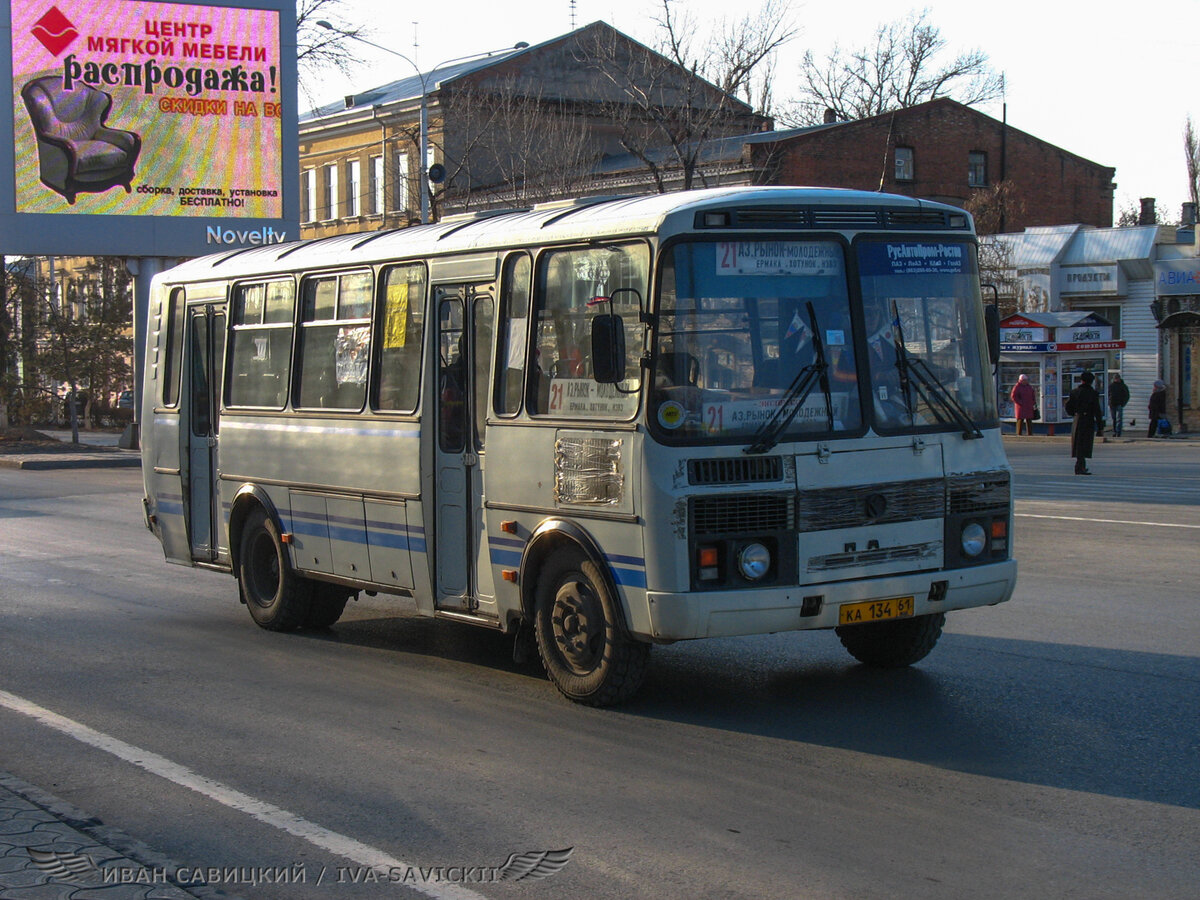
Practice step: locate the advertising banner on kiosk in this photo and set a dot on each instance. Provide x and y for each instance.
(150, 129)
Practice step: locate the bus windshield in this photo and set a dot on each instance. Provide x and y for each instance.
(755, 335)
(926, 347)
(737, 322)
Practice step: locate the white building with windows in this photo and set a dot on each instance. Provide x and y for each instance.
(1124, 277)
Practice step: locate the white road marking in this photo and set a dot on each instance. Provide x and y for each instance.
(1103, 521)
(267, 813)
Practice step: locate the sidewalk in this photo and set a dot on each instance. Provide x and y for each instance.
(52, 449)
(51, 851)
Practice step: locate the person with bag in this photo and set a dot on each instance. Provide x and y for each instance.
(1024, 404)
(1083, 405)
(1158, 408)
(1118, 396)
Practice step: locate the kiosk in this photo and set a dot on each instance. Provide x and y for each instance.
(1053, 349)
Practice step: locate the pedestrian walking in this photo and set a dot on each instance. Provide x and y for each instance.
(1158, 407)
(1024, 400)
(1083, 405)
(1118, 396)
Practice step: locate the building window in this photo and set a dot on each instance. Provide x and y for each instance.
(308, 188)
(1112, 314)
(904, 164)
(401, 182)
(329, 202)
(977, 169)
(375, 188)
(353, 186)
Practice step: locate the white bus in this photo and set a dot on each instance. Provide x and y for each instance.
(595, 425)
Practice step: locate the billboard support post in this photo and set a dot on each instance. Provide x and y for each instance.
(143, 269)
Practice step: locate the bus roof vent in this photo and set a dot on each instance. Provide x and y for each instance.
(773, 217)
(850, 217)
(916, 218)
(748, 470)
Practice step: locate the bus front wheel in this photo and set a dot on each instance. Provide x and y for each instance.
(278, 598)
(892, 645)
(586, 654)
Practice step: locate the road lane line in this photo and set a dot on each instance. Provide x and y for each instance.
(267, 813)
(1103, 521)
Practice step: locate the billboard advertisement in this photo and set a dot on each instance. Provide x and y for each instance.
(174, 121)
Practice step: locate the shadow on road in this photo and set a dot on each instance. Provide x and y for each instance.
(1109, 722)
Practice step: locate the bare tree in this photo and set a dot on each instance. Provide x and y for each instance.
(664, 109)
(321, 50)
(995, 206)
(738, 56)
(1191, 152)
(514, 146)
(905, 65)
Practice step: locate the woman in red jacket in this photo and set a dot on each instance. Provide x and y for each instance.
(1024, 401)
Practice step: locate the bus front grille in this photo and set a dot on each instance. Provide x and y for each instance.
(741, 514)
(740, 470)
(870, 504)
(981, 492)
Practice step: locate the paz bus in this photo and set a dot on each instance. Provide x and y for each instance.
(594, 425)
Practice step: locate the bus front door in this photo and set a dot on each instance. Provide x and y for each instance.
(464, 572)
(206, 349)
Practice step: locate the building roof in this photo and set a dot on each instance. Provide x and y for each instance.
(1037, 248)
(1065, 319)
(1104, 245)
(410, 88)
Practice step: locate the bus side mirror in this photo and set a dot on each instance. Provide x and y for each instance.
(608, 348)
(991, 318)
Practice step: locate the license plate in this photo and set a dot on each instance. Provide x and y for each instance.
(875, 610)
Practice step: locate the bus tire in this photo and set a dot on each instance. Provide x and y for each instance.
(579, 635)
(278, 598)
(327, 605)
(892, 645)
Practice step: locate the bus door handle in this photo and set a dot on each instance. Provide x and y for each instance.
(470, 459)
(212, 441)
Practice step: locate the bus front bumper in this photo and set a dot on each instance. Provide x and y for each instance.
(677, 617)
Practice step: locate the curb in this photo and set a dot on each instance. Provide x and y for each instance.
(71, 460)
(36, 821)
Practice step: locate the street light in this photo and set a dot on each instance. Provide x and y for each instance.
(423, 77)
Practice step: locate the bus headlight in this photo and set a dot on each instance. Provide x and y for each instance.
(974, 539)
(754, 561)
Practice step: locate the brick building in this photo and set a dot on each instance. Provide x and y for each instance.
(939, 150)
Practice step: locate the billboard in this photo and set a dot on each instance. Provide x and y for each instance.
(149, 129)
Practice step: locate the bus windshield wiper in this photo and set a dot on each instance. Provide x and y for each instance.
(915, 372)
(816, 372)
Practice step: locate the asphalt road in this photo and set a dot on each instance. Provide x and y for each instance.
(1048, 747)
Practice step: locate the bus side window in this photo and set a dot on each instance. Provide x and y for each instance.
(514, 334)
(334, 343)
(260, 344)
(399, 336)
(174, 350)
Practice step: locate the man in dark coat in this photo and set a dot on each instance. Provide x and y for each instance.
(1158, 407)
(1084, 405)
(1118, 396)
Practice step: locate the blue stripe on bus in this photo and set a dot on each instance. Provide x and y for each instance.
(629, 577)
(357, 431)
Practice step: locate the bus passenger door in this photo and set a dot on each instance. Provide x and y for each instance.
(206, 328)
(464, 573)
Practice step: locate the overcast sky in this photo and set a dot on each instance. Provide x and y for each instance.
(1111, 83)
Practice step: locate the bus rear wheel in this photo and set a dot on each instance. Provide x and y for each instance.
(579, 636)
(278, 598)
(892, 645)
